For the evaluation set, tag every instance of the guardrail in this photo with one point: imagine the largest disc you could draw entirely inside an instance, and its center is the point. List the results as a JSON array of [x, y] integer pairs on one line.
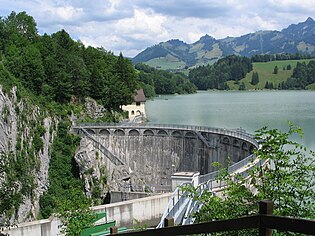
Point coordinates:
[[228, 132], [264, 223], [113, 158]]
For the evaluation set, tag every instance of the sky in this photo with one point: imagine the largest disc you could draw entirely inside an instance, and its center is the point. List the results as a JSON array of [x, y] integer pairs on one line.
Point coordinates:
[[130, 26]]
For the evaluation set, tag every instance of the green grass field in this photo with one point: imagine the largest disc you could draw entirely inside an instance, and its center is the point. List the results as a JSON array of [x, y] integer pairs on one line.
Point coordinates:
[[166, 63], [311, 87], [265, 72]]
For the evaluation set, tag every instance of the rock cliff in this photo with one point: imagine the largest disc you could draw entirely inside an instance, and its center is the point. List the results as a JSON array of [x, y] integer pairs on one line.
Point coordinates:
[[26, 135]]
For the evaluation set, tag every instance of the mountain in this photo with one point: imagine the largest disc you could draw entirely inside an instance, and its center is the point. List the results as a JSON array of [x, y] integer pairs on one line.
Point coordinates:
[[177, 55]]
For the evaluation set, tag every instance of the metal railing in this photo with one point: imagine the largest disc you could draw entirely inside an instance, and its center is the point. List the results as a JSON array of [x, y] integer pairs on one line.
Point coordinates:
[[113, 158], [228, 132], [263, 223], [209, 184]]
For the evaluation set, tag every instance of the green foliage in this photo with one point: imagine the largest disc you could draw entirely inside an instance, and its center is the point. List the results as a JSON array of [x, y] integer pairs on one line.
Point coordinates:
[[275, 70], [303, 75], [57, 68], [265, 71], [269, 85], [280, 57], [63, 174], [75, 213], [37, 140], [215, 76], [255, 78], [163, 82], [242, 86], [288, 181]]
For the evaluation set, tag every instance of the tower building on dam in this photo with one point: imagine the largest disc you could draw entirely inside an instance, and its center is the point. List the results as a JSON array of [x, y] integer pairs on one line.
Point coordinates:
[[143, 157]]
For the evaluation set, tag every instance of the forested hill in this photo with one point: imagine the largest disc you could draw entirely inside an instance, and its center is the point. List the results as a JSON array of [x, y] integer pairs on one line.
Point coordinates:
[[163, 82], [58, 68], [216, 76], [178, 55], [45, 81], [286, 71]]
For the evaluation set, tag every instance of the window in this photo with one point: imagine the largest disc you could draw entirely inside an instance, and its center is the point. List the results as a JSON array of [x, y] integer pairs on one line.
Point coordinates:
[[137, 103], [132, 112]]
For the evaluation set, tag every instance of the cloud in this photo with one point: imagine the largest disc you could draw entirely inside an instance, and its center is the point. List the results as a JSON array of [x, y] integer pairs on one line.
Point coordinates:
[[129, 34], [187, 8], [131, 26]]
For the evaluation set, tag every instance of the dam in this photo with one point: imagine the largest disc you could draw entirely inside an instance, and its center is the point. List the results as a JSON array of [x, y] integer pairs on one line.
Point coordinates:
[[146, 156], [143, 158]]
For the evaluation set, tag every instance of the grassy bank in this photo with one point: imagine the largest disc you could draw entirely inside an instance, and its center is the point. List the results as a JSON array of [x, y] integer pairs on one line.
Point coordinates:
[[265, 71]]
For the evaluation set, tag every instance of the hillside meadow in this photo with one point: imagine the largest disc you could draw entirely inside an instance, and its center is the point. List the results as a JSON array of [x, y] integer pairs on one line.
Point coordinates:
[[265, 71]]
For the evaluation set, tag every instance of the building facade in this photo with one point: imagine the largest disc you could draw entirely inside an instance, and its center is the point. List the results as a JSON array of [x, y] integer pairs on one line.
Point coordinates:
[[136, 110]]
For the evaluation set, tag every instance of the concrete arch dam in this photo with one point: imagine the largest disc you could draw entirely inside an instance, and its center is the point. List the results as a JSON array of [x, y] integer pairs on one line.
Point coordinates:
[[153, 153]]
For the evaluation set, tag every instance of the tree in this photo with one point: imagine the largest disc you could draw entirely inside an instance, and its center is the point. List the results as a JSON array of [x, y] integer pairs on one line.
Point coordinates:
[[242, 86], [289, 67], [75, 213], [275, 70], [20, 29], [255, 78], [31, 69], [288, 181], [120, 85]]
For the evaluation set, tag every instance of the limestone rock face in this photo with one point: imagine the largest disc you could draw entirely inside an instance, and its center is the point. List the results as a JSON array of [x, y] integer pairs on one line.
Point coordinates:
[[26, 135], [93, 109], [98, 170]]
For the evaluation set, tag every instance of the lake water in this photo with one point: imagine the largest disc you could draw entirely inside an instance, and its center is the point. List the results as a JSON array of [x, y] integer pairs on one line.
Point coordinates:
[[249, 110]]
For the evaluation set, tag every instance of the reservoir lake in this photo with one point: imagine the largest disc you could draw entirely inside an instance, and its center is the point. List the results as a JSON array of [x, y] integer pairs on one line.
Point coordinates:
[[249, 110]]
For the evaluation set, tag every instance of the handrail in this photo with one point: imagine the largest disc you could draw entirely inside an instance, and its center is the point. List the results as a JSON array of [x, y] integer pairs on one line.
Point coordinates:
[[209, 184], [242, 163], [114, 159], [264, 222], [173, 200], [204, 140], [228, 132]]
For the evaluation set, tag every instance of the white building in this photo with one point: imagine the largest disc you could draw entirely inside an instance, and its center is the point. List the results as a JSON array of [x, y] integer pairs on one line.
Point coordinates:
[[136, 110]]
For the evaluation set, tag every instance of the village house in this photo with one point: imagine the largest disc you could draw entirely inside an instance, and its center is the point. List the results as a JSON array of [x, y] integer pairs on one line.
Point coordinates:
[[136, 110]]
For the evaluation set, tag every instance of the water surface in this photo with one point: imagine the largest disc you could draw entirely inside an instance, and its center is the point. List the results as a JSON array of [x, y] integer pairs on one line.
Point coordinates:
[[249, 110]]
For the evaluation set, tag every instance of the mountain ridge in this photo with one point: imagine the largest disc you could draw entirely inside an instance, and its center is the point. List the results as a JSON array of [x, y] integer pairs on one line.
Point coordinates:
[[176, 54]]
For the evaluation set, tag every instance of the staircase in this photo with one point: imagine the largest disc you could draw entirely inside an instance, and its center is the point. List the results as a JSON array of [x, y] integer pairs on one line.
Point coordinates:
[[113, 158], [204, 140]]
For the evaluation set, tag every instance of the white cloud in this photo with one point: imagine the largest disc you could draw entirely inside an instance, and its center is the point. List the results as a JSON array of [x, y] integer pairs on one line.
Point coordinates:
[[132, 26]]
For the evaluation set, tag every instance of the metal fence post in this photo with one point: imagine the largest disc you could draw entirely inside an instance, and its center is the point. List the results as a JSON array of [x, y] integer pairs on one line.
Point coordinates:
[[168, 222], [113, 230], [265, 208]]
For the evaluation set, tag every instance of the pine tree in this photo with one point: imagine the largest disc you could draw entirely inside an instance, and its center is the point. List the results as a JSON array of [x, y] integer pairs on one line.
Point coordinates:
[[255, 78]]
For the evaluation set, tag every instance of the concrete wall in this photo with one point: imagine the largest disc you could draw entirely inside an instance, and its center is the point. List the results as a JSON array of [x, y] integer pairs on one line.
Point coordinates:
[[155, 154], [118, 196], [147, 210], [47, 227]]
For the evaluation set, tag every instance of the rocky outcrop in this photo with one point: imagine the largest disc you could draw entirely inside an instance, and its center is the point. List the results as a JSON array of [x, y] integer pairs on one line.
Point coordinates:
[[98, 171], [26, 135]]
